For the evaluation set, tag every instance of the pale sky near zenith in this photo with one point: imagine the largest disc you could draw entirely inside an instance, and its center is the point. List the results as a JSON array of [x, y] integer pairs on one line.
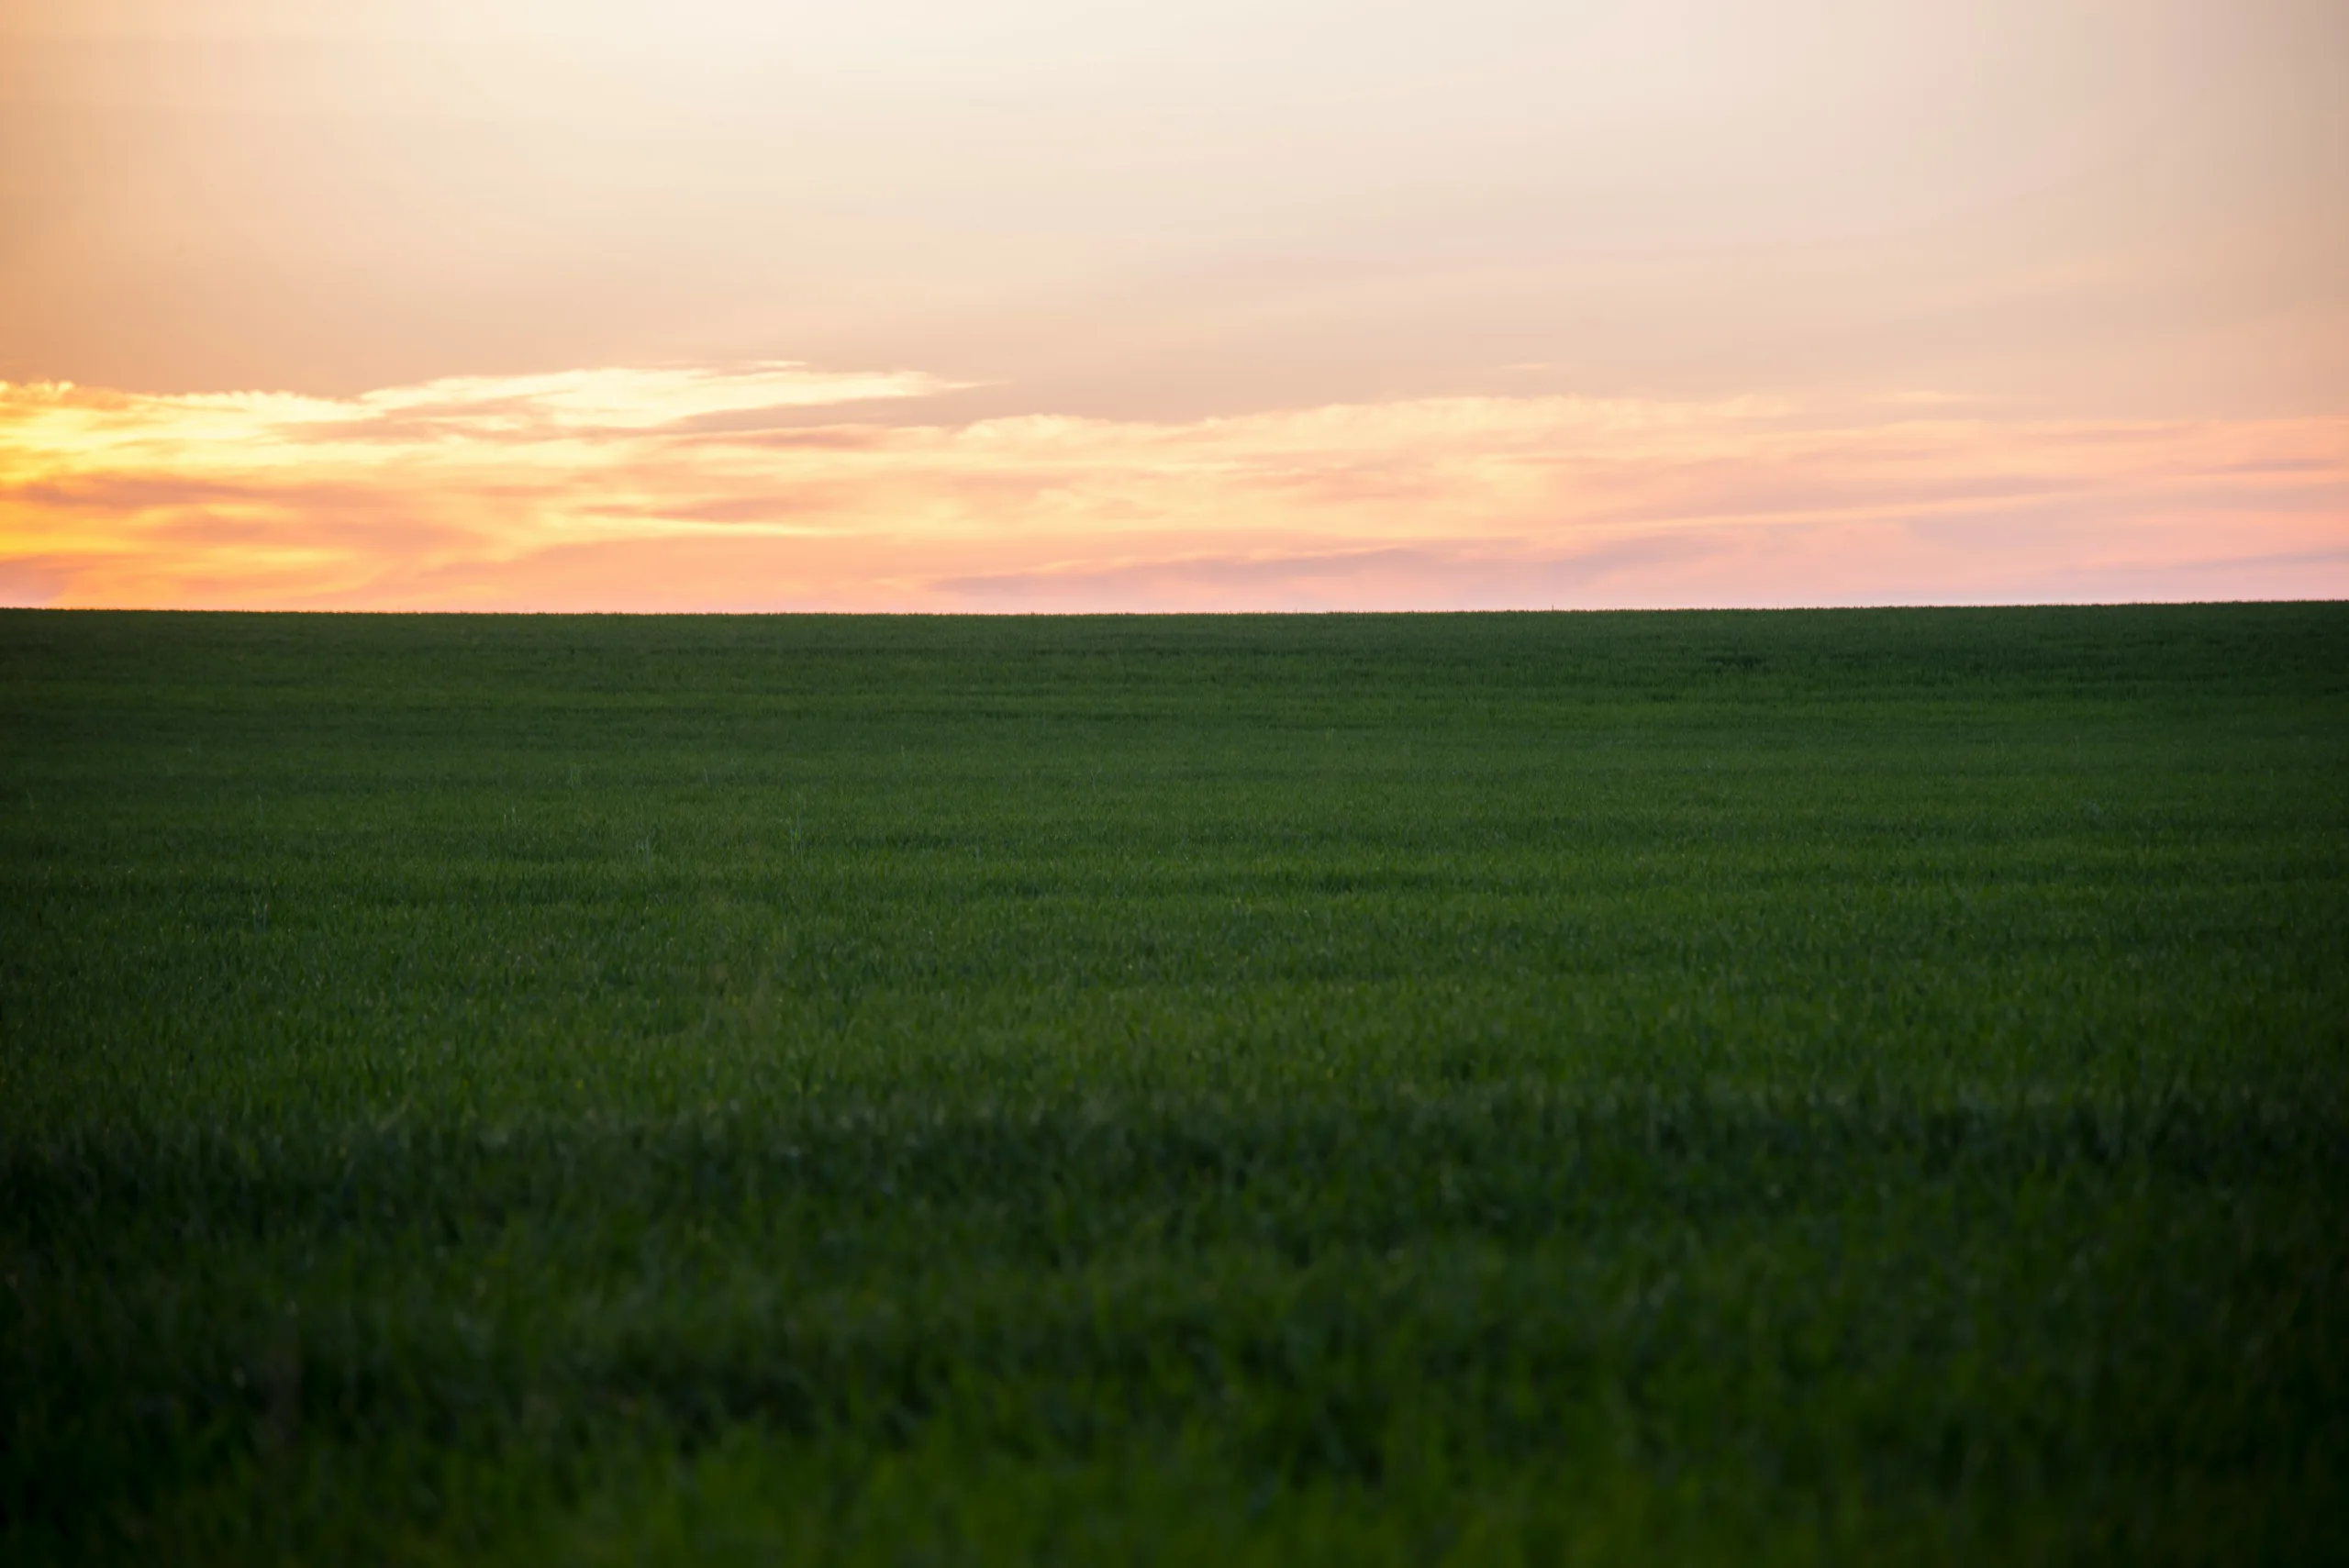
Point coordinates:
[[1236, 304]]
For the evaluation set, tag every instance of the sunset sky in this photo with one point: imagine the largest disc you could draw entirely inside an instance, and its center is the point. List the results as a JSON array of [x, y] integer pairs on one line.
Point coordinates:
[[1042, 304]]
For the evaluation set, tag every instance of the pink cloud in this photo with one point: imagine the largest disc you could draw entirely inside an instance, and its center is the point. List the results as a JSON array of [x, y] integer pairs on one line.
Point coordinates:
[[612, 490]]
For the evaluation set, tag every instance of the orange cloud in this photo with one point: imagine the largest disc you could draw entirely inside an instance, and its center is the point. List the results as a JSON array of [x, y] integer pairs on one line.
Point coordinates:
[[774, 486]]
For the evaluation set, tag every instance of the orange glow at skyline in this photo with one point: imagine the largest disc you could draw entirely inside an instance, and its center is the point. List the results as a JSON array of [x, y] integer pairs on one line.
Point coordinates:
[[772, 487]]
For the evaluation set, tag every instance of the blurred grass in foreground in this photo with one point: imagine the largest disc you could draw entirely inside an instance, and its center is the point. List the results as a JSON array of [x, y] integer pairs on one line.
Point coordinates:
[[1859, 1085]]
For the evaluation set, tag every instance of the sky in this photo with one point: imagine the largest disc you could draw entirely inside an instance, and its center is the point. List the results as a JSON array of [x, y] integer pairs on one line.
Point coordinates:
[[1282, 305]]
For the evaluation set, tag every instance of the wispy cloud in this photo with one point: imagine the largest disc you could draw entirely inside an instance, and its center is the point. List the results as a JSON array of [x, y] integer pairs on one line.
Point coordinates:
[[716, 488]]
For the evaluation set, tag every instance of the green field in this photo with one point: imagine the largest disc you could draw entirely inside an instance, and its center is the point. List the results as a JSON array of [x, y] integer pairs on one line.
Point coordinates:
[[1850, 1086]]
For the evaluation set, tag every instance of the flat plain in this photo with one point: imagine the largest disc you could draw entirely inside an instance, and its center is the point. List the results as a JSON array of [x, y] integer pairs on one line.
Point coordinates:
[[1824, 1086]]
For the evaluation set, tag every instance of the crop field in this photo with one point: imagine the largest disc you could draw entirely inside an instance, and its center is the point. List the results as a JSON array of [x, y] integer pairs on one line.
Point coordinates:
[[1837, 1086]]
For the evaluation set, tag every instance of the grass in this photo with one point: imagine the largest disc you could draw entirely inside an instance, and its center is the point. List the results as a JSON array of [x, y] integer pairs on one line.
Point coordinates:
[[1836, 1087]]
